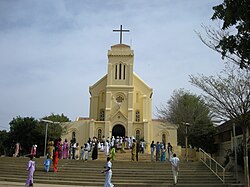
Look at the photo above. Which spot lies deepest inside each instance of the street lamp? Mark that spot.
(186, 138)
(46, 132)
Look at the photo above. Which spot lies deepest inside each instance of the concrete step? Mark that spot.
(125, 173)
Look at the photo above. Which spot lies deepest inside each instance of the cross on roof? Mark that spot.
(121, 33)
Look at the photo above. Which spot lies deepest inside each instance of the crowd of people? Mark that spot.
(72, 150)
(161, 151)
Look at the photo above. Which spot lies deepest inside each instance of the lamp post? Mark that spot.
(186, 139)
(46, 132)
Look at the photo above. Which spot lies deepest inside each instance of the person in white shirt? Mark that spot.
(108, 172)
(106, 149)
(175, 162)
(87, 150)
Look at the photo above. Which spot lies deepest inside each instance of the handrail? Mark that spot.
(212, 165)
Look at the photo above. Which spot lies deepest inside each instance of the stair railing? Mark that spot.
(213, 165)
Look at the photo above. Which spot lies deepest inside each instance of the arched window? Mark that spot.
(137, 116)
(115, 71)
(74, 136)
(163, 138)
(138, 133)
(120, 71)
(124, 72)
(102, 115)
(99, 134)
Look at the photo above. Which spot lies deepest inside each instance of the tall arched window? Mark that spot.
(99, 134)
(124, 72)
(102, 115)
(120, 71)
(137, 116)
(115, 71)
(74, 136)
(163, 138)
(138, 134)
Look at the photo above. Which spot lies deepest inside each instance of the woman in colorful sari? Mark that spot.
(59, 148)
(163, 152)
(31, 170)
(50, 148)
(65, 149)
(55, 160)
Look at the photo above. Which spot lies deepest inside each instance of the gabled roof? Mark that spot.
(97, 83)
(117, 112)
(137, 76)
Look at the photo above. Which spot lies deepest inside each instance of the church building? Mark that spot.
(120, 105)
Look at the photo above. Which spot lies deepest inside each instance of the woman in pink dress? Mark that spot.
(59, 148)
(65, 149)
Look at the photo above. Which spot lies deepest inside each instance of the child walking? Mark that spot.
(47, 164)
(82, 153)
(31, 170)
(108, 172)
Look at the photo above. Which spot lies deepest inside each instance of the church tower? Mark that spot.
(121, 101)
(121, 104)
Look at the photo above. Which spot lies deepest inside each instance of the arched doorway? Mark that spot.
(118, 130)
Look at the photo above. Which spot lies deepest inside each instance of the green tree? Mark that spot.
(57, 118)
(235, 16)
(184, 107)
(54, 130)
(228, 97)
(24, 130)
(4, 143)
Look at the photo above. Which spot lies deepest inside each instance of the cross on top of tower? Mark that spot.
(121, 33)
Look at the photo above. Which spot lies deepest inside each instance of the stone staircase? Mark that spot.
(125, 172)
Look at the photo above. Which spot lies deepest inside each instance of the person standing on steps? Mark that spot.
(175, 162)
(170, 150)
(31, 170)
(108, 172)
(133, 150)
(55, 159)
(137, 150)
(47, 164)
(152, 149)
(158, 151)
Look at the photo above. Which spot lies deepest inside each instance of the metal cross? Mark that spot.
(121, 33)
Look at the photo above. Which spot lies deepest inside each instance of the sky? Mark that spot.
(52, 51)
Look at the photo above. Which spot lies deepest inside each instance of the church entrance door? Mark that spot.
(118, 130)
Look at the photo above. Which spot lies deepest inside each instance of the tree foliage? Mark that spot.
(55, 130)
(228, 97)
(57, 118)
(4, 143)
(235, 15)
(29, 131)
(25, 131)
(184, 107)
(227, 94)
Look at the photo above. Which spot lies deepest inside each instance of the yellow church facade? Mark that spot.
(120, 105)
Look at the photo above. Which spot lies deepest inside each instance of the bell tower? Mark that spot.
(120, 65)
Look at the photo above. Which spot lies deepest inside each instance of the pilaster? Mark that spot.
(91, 128)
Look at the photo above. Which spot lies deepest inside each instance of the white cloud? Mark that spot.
(52, 51)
